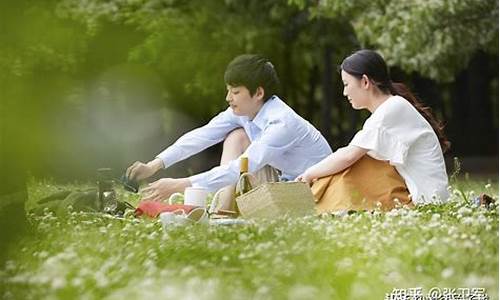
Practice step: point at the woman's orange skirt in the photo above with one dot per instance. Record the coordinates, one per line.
(361, 187)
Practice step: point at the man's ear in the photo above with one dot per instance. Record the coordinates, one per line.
(259, 93)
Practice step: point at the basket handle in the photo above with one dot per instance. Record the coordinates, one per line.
(251, 178)
(215, 201)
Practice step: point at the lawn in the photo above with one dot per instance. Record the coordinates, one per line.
(357, 256)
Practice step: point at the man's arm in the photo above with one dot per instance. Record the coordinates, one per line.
(200, 138)
(187, 145)
(274, 141)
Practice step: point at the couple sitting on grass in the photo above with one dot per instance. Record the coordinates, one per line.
(397, 157)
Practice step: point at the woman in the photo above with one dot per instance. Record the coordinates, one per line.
(396, 157)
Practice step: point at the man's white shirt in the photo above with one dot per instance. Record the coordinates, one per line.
(279, 138)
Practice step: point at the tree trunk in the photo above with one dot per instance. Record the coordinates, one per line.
(473, 130)
(328, 95)
(311, 99)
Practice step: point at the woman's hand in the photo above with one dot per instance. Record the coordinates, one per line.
(306, 177)
(138, 170)
(163, 188)
(333, 163)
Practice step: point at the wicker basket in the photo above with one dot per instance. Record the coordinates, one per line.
(275, 199)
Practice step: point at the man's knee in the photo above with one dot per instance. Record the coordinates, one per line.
(237, 137)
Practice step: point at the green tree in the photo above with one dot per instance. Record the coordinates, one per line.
(434, 38)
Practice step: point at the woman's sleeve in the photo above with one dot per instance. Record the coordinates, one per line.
(382, 143)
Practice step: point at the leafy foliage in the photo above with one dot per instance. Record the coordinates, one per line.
(75, 73)
(434, 38)
(37, 41)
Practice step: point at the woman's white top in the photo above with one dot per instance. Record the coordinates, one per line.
(398, 133)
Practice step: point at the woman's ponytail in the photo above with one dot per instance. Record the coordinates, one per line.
(402, 90)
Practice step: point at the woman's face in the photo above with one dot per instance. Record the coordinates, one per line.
(356, 90)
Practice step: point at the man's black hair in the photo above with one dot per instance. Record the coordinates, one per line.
(252, 71)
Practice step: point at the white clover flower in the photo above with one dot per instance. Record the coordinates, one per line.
(77, 282)
(432, 241)
(345, 263)
(101, 280)
(153, 235)
(187, 270)
(149, 264)
(468, 244)
(467, 221)
(397, 212)
(432, 225)
(482, 220)
(58, 283)
(447, 273)
(393, 277)
(464, 211)
(243, 237)
(473, 280)
(263, 290)
(302, 292)
(435, 217)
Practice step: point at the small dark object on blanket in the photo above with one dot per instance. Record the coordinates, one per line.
(129, 184)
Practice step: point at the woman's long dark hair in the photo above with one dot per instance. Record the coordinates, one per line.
(371, 64)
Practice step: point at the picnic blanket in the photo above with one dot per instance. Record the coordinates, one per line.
(153, 209)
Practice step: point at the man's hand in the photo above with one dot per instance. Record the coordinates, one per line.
(163, 188)
(139, 170)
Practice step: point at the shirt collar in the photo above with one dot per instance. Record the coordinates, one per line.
(262, 116)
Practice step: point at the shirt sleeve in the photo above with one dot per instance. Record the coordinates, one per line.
(200, 138)
(275, 139)
(382, 143)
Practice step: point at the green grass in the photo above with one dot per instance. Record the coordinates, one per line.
(358, 256)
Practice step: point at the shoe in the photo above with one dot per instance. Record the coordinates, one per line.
(198, 215)
(179, 217)
(484, 200)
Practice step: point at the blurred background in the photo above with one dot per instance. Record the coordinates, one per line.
(86, 84)
(90, 84)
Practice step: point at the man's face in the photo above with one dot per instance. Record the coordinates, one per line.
(242, 103)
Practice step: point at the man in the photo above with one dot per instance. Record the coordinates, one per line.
(256, 123)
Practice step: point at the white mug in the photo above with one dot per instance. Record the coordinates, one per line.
(195, 196)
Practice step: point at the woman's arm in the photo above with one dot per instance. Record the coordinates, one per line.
(333, 163)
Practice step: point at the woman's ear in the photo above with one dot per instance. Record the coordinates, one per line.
(365, 81)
